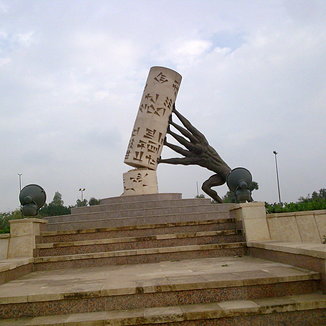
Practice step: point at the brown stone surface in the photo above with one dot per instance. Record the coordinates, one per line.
(297, 318)
(140, 198)
(170, 269)
(81, 303)
(292, 310)
(130, 221)
(123, 212)
(303, 261)
(151, 285)
(140, 259)
(148, 204)
(139, 256)
(140, 230)
(167, 240)
(12, 274)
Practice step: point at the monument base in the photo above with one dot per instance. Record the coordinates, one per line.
(140, 181)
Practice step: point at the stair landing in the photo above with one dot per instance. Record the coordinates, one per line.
(178, 282)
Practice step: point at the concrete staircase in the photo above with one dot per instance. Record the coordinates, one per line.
(138, 210)
(138, 229)
(156, 260)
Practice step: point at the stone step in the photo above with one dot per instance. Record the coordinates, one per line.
(148, 212)
(157, 285)
(147, 205)
(126, 243)
(12, 268)
(105, 211)
(140, 198)
(295, 310)
(140, 220)
(136, 230)
(139, 256)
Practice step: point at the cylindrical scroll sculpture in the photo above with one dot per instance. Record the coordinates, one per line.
(147, 137)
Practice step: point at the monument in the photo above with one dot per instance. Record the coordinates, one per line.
(149, 131)
(153, 122)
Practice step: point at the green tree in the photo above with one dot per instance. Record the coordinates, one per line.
(315, 201)
(93, 201)
(56, 207)
(6, 217)
(315, 196)
(81, 203)
(57, 199)
(229, 197)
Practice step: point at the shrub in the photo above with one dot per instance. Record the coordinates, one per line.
(6, 217)
(295, 207)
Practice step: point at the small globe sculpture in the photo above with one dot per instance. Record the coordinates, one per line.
(238, 180)
(32, 197)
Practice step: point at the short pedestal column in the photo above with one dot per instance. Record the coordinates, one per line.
(139, 182)
(252, 216)
(22, 236)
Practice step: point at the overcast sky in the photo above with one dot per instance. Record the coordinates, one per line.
(72, 75)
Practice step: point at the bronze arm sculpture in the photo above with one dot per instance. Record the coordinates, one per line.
(197, 152)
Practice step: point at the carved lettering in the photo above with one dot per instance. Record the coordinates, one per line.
(153, 147)
(168, 102)
(161, 78)
(175, 87)
(141, 144)
(138, 156)
(135, 182)
(150, 160)
(151, 97)
(127, 154)
(150, 133)
(135, 132)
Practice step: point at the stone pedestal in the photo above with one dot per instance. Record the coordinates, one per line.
(253, 219)
(139, 182)
(4, 244)
(22, 236)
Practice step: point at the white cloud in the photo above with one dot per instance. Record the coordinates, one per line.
(183, 53)
(192, 48)
(3, 35)
(72, 76)
(25, 39)
(3, 8)
(4, 61)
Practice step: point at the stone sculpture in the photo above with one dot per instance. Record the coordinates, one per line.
(32, 197)
(147, 137)
(197, 151)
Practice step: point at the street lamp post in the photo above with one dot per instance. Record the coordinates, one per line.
(20, 181)
(278, 181)
(81, 192)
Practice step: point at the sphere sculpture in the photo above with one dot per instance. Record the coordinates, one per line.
(32, 197)
(238, 181)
